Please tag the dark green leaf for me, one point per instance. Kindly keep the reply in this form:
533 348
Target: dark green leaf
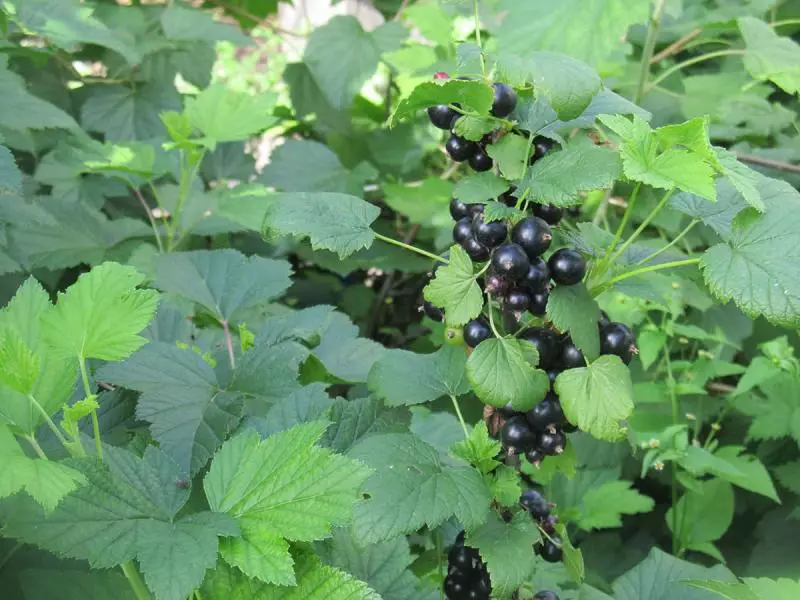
455 290
571 308
471 95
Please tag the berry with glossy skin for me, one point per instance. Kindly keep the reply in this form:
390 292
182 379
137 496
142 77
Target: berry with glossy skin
507 411
545 414
547 345
552 443
475 209
534 235
517 301
462 230
549 523
510 261
460 149
546 596
551 375
459 210
535 504
462 557
480 161
442 116
508 198
538 305
537 277
518 434
551 552
616 338
567 266
571 356
534 456
505 100
548 212
541 146
453 588
495 284
489 234
476 331
432 312
477 251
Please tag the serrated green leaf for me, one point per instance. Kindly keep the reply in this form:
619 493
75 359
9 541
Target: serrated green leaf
497 211
573 557
455 290
10 176
604 505
259 552
502 371
471 95
692 135
731 591
354 420
425 203
699 461
404 378
44 584
789 476
770 56
742 177
779 414
411 488
473 128
571 308
506 550
769 589
479 187
705 514
505 485
754 475
510 154
309 403
597 397
478 449
185 24
336 222
224 114
101 314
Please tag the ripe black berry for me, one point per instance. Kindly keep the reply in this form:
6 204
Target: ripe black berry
442 116
453 588
537 277
480 161
552 443
549 523
616 338
517 301
489 234
476 331
462 557
507 411
548 212
571 356
477 251
547 345
508 198
551 552
535 504
505 100
495 284
534 456
545 414
459 210
462 230
538 305
541 146
510 260
551 375
432 312
567 266
546 596
518 434
534 235
476 209
460 149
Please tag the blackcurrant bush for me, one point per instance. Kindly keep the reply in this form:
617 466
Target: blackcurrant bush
571 356
462 557
480 161
477 251
511 261
534 456
546 596
567 266
505 100
459 210
476 331
616 338
551 443
517 301
537 277
518 434
432 312
547 345
462 230
442 116
548 212
533 235
489 234
538 305
545 414
535 504
551 552
460 149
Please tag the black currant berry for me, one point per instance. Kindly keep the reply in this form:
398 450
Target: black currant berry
534 235
548 212
546 596
517 301
508 198
567 266
462 230
551 552
551 443
454 589
537 277
480 161
549 523
535 504
545 414
476 331
534 456
489 234
459 210
571 356
511 261
460 149
482 588
518 434
495 284
538 305
616 338
505 100
547 345
551 375
462 557
541 146
476 209
460 538
477 251
432 312
508 410
442 116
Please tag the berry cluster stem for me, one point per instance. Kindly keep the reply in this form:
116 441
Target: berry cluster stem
457 408
477 17
135 581
425 253
649 48
649 219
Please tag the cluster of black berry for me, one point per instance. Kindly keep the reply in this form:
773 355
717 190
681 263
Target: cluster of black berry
467 576
460 149
539 509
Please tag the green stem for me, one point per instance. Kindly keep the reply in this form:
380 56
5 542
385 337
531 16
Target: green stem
649 48
460 416
87 390
50 423
653 214
650 269
150 218
135 581
693 61
621 229
785 22
229 343
674 483
36 447
478 35
491 316
425 253
677 239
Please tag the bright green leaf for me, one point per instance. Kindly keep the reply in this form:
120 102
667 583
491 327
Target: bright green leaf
754 475
224 114
604 505
478 449
455 290
571 308
510 154
770 56
471 95
705 514
479 187
186 24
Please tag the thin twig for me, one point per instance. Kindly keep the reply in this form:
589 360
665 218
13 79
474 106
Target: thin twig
715 386
676 46
768 162
229 343
150 218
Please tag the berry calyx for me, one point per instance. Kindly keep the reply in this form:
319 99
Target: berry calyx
459 210
538 305
617 339
552 443
460 149
546 414
567 266
510 260
476 331
537 277
442 116
534 235
462 230
505 100
491 234
535 504
480 161
546 343
432 312
571 356
548 212
517 434
477 251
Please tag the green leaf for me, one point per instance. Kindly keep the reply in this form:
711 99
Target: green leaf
560 177
336 222
571 308
101 314
479 187
474 128
769 589
573 557
129 511
506 550
742 177
471 95
510 154
502 371
404 378
45 481
225 283
186 24
455 290
604 505
754 475
411 488
779 415
769 56
705 514
425 203
309 403
731 591
597 397
789 476
479 449
10 176
692 135
354 420
758 265
505 485
224 114
45 584
497 211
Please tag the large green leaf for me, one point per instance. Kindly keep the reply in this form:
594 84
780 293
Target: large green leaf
571 308
770 56
604 505
455 290
45 584
470 95
10 176
354 420
705 511
189 24
21 110
224 114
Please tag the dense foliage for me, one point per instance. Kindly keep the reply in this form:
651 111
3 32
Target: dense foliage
509 312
